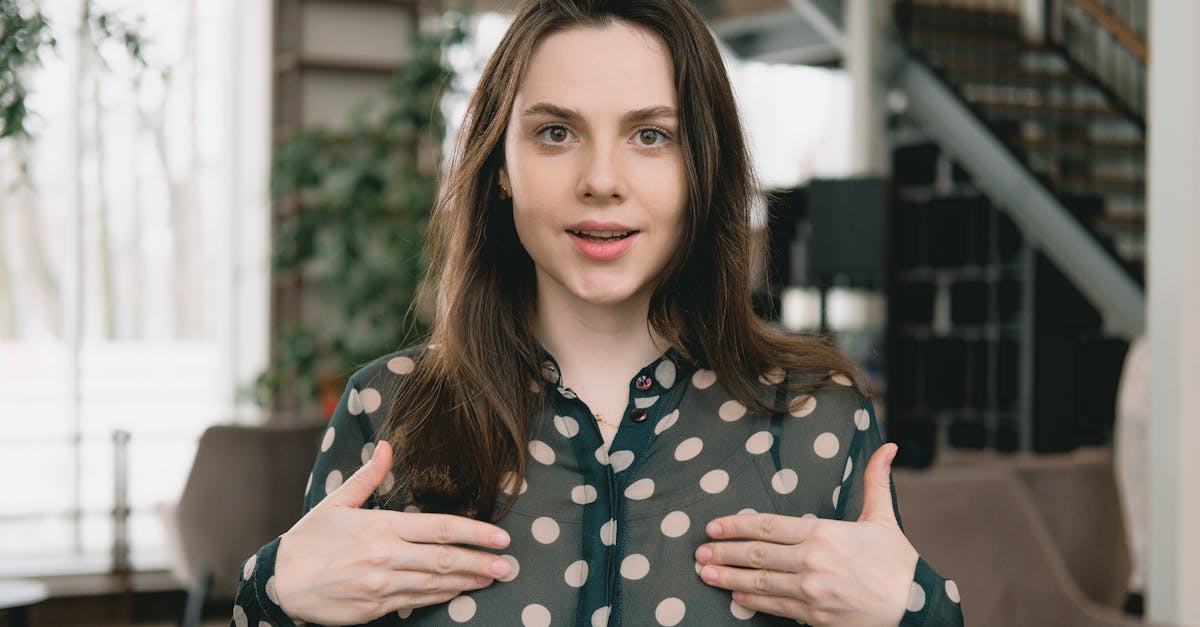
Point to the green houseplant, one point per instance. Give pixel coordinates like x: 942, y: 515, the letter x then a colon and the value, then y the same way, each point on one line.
x: 362, y: 200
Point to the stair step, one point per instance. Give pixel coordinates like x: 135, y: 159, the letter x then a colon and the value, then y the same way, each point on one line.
x: 1072, y: 147
x: 1082, y: 113
x: 1121, y: 221
x: 961, y: 70
x: 924, y: 38
x: 942, y: 16
x: 1102, y: 184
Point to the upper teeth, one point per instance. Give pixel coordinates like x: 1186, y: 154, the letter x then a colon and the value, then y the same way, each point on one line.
x: 603, y: 233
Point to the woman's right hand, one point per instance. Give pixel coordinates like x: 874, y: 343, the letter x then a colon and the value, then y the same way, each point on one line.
x: 341, y: 565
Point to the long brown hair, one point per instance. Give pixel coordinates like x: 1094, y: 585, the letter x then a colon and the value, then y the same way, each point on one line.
x: 461, y: 421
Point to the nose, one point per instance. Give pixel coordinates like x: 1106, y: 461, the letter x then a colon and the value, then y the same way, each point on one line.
x: 601, y: 178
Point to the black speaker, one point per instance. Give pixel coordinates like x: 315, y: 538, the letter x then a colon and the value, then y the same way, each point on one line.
x: 849, y: 224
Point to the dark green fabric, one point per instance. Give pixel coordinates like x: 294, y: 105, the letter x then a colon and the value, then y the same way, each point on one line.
x: 613, y: 533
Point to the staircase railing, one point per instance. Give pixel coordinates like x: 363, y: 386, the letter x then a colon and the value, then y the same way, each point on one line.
x: 1108, y: 39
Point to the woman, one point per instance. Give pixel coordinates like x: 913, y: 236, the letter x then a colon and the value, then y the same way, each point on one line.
x: 600, y: 432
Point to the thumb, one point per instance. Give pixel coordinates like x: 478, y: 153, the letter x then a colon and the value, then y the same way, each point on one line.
x: 877, y: 486
x: 358, y: 488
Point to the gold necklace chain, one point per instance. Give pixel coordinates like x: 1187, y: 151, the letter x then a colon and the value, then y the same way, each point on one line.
x: 600, y: 419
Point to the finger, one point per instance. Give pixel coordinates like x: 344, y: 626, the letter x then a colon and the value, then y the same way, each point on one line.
x: 447, y: 559
x: 776, y: 605
x: 757, y: 555
x: 877, y: 486
x: 415, y: 584
x: 402, y: 602
x: 768, y: 582
x: 766, y: 527
x: 449, y: 529
x: 359, y: 487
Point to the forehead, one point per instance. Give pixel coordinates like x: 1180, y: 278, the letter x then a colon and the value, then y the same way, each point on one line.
x: 616, y: 65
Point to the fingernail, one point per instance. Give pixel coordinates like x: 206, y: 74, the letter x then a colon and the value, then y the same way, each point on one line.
x: 483, y: 581
x: 500, y: 539
x: 703, y: 554
x: 714, y: 529
x: 500, y: 568
x: 709, y: 573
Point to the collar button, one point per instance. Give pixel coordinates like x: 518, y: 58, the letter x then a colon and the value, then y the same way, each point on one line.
x: 643, y: 382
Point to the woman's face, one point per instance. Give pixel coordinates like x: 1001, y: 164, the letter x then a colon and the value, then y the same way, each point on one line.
x: 594, y: 166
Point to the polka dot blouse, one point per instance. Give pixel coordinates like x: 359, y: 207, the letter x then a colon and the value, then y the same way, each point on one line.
x: 608, y: 536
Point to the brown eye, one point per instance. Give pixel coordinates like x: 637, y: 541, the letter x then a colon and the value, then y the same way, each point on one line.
x: 649, y: 136
x: 555, y: 134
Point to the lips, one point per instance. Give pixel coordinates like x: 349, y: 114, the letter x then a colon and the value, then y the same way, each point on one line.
x: 602, y: 241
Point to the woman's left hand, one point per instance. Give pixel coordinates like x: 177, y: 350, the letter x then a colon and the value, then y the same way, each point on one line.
x: 818, y: 571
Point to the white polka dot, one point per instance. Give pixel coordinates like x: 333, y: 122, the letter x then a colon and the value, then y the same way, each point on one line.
x: 514, y: 568
x: 583, y: 494
x: 849, y: 468
x: 640, y: 490
x: 412, y: 509
x: 675, y: 524
x: 333, y: 481
x: 567, y: 393
x: 916, y: 598
x: 248, y: 567
x: 826, y: 445
x: 731, y: 410
x: 620, y: 460
x: 368, y: 450
x: 549, y: 372
x: 635, y: 566
x: 697, y: 567
x: 239, y: 616
x: 802, y: 405
x: 952, y: 590
x: 600, y: 617
x: 608, y: 533
x: 837, y: 493
x: 670, y: 612
x: 774, y: 376
x: 748, y: 510
x: 602, y: 454
x: 714, y: 481
x: 703, y: 379
x: 404, y: 613
x: 785, y: 481
x: 541, y: 451
x: 665, y: 373
x: 545, y: 530
x: 739, y: 612
x: 666, y: 422
x: 400, y: 365
x: 389, y: 482
x: 810, y: 515
x: 327, y: 441
x: 263, y: 623
x: 840, y: 378
x: 271, y: 590
x: 354, y: 403
x: 862, y: 419
x: 566, y: 425
x: 308, y: 485
x: 576, y: 574
x: 535, y: 615
x: 760, y: 443
x: 370, y: 400
x: 688, y: 449
x: 461, y: 608
x: 508, y: 484
x: 645, y: 401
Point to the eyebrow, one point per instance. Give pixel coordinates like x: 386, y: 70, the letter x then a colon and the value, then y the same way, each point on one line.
x: 571, y: 115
